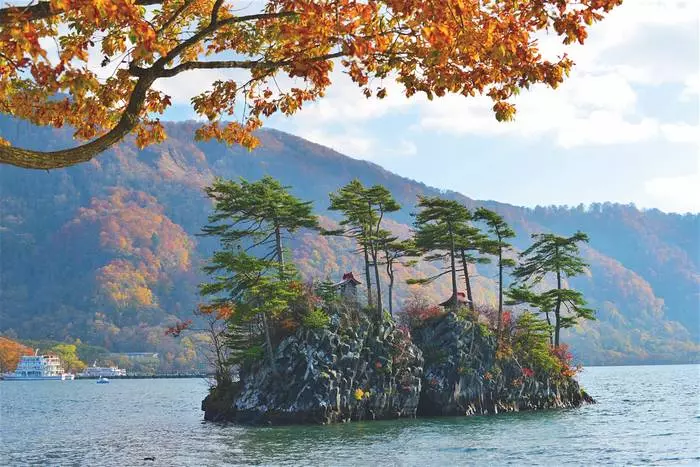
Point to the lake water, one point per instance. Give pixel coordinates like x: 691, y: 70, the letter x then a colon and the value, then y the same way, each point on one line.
x: 645, y: 414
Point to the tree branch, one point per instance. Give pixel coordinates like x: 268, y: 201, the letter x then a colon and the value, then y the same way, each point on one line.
x: 30, y: 159
x: 42, y: 10
x: 247, y: 64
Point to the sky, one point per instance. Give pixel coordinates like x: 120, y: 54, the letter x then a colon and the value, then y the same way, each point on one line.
x: 623, y: 128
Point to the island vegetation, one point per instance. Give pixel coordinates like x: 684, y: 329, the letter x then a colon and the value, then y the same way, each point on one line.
x: 272, y: 331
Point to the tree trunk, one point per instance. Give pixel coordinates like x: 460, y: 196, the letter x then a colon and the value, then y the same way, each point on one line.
x: 390, y: 274
x: 377, y: 285
x: 500, y: 291
x: 367, y: 277
x: 278, y: 247
x: 268, y: 341
x: 29, y: 159
x: 557, y: 310
x: 467, y: 281
x: 391, y: 305
x: 454, y: 269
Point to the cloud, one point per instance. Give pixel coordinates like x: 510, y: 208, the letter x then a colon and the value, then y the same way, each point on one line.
x: 681, y: 132
x: 347, y: 143
x: 354, y: 143
x: 645, y: 42
x: 676, y: 194
x: 586, y: 110
x: 346, y: 103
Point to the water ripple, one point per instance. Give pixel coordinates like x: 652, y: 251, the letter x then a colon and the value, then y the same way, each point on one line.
x: 642, y: 418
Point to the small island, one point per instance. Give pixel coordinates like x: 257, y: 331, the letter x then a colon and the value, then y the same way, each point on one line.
x: 289, y: 351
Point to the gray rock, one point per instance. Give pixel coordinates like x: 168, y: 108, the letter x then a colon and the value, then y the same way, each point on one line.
x: 321, y: 372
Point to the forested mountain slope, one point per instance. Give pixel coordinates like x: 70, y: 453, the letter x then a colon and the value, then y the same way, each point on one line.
x: 106, y: 251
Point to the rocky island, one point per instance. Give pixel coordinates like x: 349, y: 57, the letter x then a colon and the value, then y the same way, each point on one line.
x: 292, y: 351
x: 448, y: 366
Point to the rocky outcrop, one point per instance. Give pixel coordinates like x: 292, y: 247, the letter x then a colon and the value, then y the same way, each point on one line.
x: 369, y: 373
x: 325, y: 376
x: 462, y: 377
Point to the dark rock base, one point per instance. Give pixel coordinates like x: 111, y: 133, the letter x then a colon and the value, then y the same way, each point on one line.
x: 368, y: 373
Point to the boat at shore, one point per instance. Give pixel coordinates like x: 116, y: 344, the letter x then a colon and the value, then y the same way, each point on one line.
x: 95, y: 371
x: 38, y: 368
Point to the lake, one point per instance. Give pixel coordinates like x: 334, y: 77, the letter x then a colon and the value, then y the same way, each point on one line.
x: 645, y: 414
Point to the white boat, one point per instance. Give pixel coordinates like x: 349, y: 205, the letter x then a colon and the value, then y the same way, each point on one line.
x: 37, y: 368
x: 102, y: 380
x: 95, y: 371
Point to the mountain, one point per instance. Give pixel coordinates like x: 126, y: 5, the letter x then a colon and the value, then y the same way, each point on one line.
x: 107, y: 251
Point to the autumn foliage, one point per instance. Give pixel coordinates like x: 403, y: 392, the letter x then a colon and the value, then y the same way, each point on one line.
x: 10, y: 353
x: 418, y: 308
x: 93, y: 64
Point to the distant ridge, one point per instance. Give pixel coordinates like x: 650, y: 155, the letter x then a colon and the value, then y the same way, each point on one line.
x: 106, y: 252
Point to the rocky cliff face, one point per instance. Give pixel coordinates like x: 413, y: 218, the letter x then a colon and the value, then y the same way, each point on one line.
x: 376, y: 372
x: 462, y: 377
x: 326, y: 376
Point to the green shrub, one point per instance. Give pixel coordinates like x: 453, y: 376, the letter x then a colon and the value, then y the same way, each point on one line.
x: 532, y: 348
x: 316, y: 319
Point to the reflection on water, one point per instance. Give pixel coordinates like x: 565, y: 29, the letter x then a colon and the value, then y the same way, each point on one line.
x: 644, y: 415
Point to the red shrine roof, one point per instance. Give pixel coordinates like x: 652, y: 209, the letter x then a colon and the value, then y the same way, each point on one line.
x: 348, y: 278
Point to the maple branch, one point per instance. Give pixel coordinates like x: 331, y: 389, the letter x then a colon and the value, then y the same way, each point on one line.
x: 42, y: 10
x: 215, y: 11
x: 29, y: 159
x: 245, y: 64
x: 175, y: 16
x: 211, y: 28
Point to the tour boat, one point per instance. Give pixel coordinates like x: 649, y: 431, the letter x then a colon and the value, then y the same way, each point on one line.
x: 95, y: 371
x: 38, y: 367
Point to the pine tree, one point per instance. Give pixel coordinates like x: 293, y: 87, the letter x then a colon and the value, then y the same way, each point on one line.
x: 471, y: 244
x: 251, y: 220
x: 394, y: 250
x: 364, y: 210
x: 558, y: 256
x: 348, y: 200
x: 500, y: 229
x: 437, y: 229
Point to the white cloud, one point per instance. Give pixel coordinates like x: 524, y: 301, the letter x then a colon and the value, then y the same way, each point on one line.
x: 676, y: 194
x: 586, y: 110
x: 648, y: 42
x: 346, y: 103
x: 681, y: 132
x: 353, y: 143
x: 347, y: 143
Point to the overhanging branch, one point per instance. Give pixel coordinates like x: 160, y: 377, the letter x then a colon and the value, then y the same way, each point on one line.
x: 42, y: 10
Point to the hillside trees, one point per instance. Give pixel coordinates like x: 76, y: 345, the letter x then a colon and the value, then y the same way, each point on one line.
x: 49, y: 74
x: 553, y: 255
x: 68, y: 353
x: 10, y: 353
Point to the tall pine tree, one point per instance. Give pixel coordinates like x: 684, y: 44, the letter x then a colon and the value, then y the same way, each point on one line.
x: 501, y: 232
x: 251, y: 221
x: 438, y: 226
x: 364, y: 210
x: 553, y: 255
